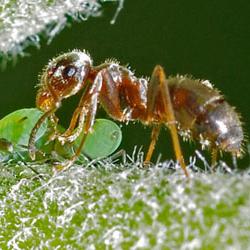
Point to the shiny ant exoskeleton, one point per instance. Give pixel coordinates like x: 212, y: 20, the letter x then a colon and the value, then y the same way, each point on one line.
x: 191, y: 107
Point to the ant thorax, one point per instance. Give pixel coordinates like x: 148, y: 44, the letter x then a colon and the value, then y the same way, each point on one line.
x: 124, y: 96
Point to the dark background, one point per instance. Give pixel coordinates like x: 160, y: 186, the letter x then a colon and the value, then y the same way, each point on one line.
x: 208, y: 39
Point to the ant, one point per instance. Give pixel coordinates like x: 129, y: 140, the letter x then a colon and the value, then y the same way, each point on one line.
x: 192, y: 108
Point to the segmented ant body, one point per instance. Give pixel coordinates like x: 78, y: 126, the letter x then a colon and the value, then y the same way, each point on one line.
x: 191, y: 107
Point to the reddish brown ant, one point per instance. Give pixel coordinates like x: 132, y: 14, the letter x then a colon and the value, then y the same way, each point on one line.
x: 191, y: 107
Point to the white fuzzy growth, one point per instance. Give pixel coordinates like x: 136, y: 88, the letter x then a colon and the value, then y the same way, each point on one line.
x: 111, y: 205
x: 22, y: 20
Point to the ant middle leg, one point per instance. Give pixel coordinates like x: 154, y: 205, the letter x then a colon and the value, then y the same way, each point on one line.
x: 154, y: 137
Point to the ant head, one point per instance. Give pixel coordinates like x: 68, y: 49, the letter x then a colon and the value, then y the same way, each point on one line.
x: 63, y: 77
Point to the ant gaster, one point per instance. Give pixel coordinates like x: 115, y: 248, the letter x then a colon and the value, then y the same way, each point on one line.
x: 192, y: 108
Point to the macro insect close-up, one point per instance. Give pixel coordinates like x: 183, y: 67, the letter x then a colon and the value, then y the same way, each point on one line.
x: 189, y: 107
x: 124, y: 124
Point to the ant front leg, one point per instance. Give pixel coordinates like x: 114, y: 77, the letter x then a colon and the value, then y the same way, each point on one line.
x: 31, y: 144
x: 75, y: 129
x: 159, y: 99
x: 73, y: 123
x: 104, y: 89
x: 88, y: 106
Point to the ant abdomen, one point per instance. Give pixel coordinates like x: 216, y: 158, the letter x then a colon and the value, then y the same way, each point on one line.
x: 204, y: 115
x: 221, y: 127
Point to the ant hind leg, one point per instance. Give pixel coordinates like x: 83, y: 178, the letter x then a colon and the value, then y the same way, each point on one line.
x: 158, y: 88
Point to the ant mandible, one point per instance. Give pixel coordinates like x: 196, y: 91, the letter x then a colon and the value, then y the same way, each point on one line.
x: 192, y: 108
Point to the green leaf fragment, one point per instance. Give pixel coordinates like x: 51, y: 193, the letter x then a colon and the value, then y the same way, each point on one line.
x: 104, y: 140
x: 6, y: 146
x: 16, y: 127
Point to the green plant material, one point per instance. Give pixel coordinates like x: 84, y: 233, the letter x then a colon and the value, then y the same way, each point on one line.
x: 16, y: 127
x: 22, y: 22
x: 104, y: 140
x: 111, y: 207
x: 6, y: 146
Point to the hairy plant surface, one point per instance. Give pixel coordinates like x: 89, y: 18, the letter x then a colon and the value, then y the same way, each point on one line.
x: 111, y: 206
x: 22, y: 20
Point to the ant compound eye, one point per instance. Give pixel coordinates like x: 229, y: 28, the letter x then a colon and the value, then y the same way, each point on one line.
x: 69, y: 71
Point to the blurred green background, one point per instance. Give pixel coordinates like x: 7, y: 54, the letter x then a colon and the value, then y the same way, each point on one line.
x: 207, y: 39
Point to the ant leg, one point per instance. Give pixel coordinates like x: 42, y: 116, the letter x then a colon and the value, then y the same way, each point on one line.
x: 154, y: 136
x: 53, y: 125
x: 214, y: 155
x: 171, y: 122
x: 153, y: 91
x: 159, y: 79
x: 73, y: 122
x: 32, y: 139
x: 88, y: 110
x: 68, y: 135
x: 78, y: 116
x: 71, y: 133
